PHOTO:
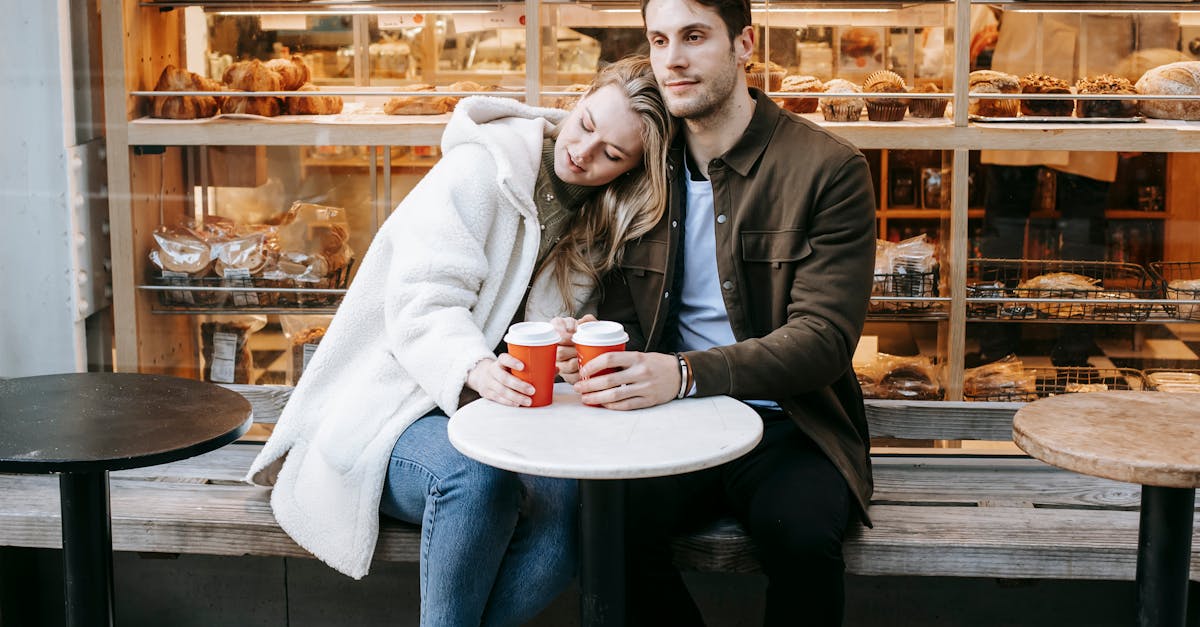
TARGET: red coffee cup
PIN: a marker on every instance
(535, 345)
(593, 339)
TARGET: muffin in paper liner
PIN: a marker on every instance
(773, 73)
(928, 107)
(885, 109)
(842, 108)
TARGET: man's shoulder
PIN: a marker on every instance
(795, 133)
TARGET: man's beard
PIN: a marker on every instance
(711, 99)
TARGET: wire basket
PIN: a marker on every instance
(1167, 272)
(904, 284)
(1172, 379)
(1053, 381)
(249, 292)
(1115, 285)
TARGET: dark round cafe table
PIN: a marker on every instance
(84, 425)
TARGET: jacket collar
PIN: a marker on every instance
(746, 152)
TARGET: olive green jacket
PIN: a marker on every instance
(794, 216)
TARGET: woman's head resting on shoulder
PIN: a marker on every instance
(609, 129)
(616, 136)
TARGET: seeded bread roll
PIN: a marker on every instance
(801, 84)
(1175, 79)
(1045, 84)
(991, 82)
(1105, 84)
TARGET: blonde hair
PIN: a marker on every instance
(634, 202)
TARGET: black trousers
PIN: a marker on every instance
(787, 495)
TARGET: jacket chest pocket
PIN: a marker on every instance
(775, 247)
(645, 256)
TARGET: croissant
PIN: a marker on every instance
(419, 105)
(312, 105)
(264, 106)
(252, 75)
(184, 107)
(293, 71)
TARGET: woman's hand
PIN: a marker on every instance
(566, 360)
(492, 379)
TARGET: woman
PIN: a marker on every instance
(522, 196)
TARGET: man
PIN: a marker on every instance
(759, 273)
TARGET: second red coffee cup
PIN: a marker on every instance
(535, 344)
(593, 339)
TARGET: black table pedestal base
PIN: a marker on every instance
(87, 548)
(1164, 553)
(602, 552)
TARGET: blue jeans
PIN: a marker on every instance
(496, 546)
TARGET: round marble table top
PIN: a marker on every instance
(1151, 438)
(572, 440)
(87, 422)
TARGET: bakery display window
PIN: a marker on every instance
(344, 108)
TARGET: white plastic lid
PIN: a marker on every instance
(601, 333)
(531, 334)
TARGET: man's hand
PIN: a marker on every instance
(641, 380)
(492, 379)
(567, 359)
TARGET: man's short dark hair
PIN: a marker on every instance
(735, 13)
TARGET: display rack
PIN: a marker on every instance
(146, 154)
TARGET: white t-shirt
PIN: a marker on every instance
(703, 320)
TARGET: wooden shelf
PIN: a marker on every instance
(359, 129)
(373, 128)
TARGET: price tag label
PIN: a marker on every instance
(508, 17)
(283, 22)
(395, 21)
(309, 351)
(224, 355)
(866, 351)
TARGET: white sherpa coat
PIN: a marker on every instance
(434, 294)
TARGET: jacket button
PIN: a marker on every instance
(674, 224)
(666, 295)
(549, 197)
(727, 285)
(721, 219)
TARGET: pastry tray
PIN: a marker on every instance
(1055, 119)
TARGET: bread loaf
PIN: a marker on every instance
(990, 82)
(1175, 79)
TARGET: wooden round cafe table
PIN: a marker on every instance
(84, 425)
(1150, 438)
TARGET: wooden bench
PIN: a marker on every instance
(936, 513)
